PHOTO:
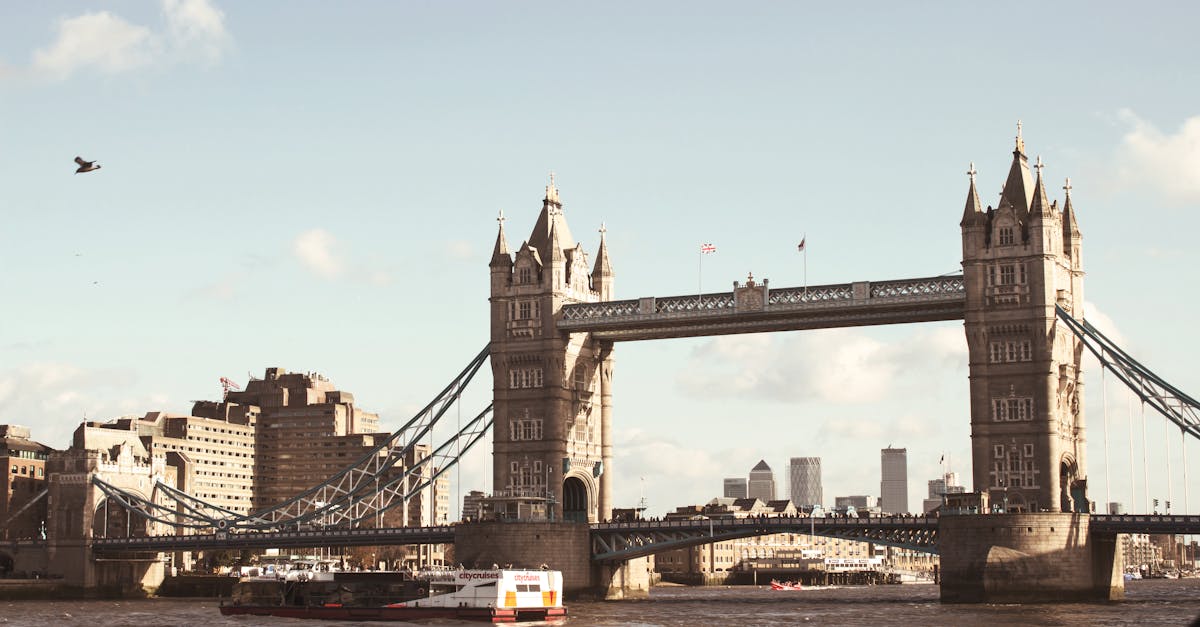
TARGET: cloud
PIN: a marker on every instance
(1170, 164)
(837, 365)
(101, 41)
(1104, 324)
(460, 250)
(316, 250)
(108, 44)
(197, 28)
(53, 398)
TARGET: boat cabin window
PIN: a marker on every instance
(529, 587)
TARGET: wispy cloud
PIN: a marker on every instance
(317, 250)
(459, 250)
(192, 30)
(839, 366)
(53, 398)
(1166, 163)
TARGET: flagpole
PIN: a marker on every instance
(700, 278)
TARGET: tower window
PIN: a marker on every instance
(1006, 236)
(525, 275)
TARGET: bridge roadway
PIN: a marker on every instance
(758, 308)
(619, 541)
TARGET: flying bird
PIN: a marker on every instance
(85, 166)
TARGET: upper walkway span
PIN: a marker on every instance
(754, 308)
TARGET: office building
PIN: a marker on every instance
(805, 481)
(23, 463)
(762, 482)
(893, 488)
(735, 488)
(948, 484)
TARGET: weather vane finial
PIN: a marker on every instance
(1067, 187)
(500, 218)
(971, 172)
(1039, 165)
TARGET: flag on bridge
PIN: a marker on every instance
(707, 248)
(801, 246)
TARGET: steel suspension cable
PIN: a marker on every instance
(1132, 472)
(1145, 463)
(1167, 457)
(1104, 411)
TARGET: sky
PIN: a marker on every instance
(315, 186)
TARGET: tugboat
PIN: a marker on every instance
(497, 596)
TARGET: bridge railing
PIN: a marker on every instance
(929, 289)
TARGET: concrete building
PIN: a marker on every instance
(213, 457)
(22, 504)
(948, 484)
(307, 430)
(472, 506)
(860, 502)
(718, 562)
(804, 474)
(762, 482)
(893, 487)
(735, 488)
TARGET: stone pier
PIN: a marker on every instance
(561, 546)
(1024, 558)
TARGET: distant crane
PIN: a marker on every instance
(226, 385)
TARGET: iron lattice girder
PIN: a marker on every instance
(1139, 523)
(793, 308)
(392, 536)
(359, 492)
(1166, 399)
(627, 540)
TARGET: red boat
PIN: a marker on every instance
(788, 585)
(496, 596)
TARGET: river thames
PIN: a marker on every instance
(1155, 602)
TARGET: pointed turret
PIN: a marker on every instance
(1071, 235)
(1018, 187)
(500, 254)
(972, 212)
(1039, 206)
(1070, 226)
(602, 273)
(551, 216)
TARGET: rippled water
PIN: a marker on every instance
(1157, 602)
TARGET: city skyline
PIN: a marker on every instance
(270, 202)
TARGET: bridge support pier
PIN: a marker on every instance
(561, 546)
(1035, 557)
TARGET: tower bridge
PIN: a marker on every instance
(554, 324)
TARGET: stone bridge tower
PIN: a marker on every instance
(1020, 259)
(552, 391)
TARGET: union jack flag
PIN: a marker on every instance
(707, 248)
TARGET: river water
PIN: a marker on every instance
(1155, 602)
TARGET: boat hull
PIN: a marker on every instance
(483, 614)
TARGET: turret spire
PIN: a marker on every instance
(1018, 187)
(500, 253)
(602, 272)
(972, 212)
(1039, 206)
(1070, 226)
